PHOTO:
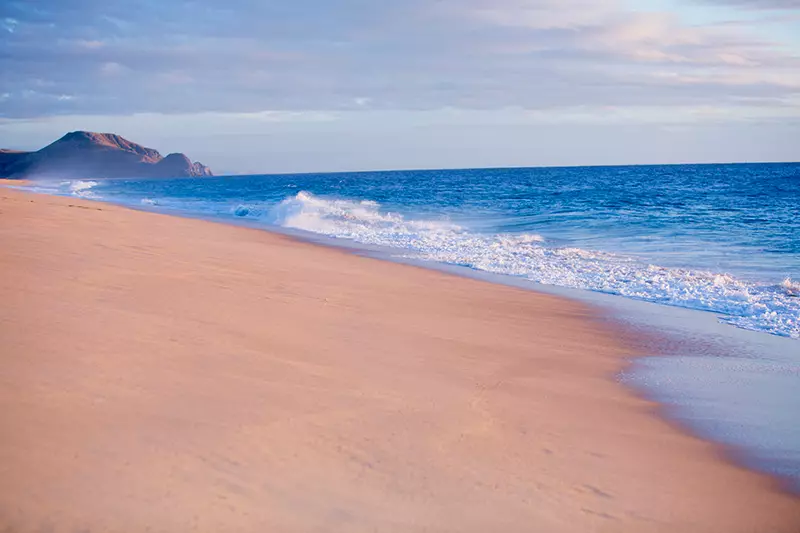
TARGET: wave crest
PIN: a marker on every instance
(358, 220)
(80, 187)
(745, 304)
(792, 288)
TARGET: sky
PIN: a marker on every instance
(259, 86)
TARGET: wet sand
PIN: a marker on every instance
(168, 374)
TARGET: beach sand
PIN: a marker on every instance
(172, 375)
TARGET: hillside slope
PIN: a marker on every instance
(85, 154)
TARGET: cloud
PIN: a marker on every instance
(9, 24)
(541, 15)
(759, 4)
(111, 69)
(245, 56)
(454, 138)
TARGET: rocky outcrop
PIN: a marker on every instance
(175, 164)
(85, 154)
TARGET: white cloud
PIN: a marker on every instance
(10, 24)
(540, 14)
(244, 57)
(112, 68)
(89, 43)
(759, 4)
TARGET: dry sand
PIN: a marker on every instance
(166, 374)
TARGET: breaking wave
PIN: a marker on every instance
(772, 308)
(81, 188)
(757, 306)
(77, 188)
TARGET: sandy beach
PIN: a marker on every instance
(171, 375)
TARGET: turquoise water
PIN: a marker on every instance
(707, 254)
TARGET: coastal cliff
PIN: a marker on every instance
(85, 154)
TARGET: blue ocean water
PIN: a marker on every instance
(708, 255)
(718, 238)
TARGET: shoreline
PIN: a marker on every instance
(580, 506)
(666, 341)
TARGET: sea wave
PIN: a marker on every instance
(80, 187)
(758, 306)
(772, 308)
(77, 188)
(791, 287)
(362, 221)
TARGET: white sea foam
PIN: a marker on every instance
(81, 188)
(791, 287)
(78, 188)
(358, 220)
(771, 308)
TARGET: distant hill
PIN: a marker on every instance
(85, 154)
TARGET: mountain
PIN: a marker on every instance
(85, 154)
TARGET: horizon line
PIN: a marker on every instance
(524, 167)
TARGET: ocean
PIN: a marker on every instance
(723, 240)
